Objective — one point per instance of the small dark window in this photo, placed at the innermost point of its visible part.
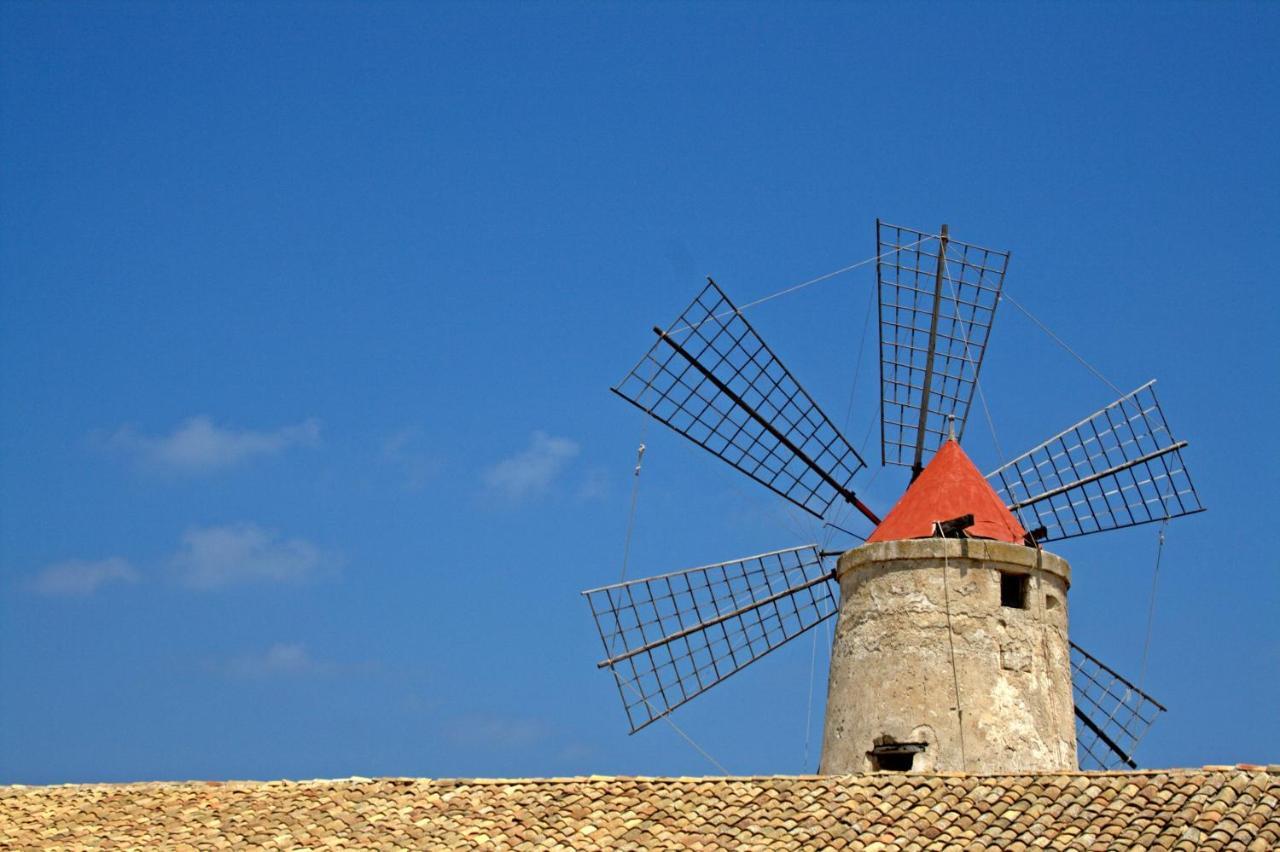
(900, 762)
(1013, 590)
(895, 757)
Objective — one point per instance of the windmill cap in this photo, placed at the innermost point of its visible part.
(948, 487)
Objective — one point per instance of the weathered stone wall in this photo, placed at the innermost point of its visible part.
(892, 677)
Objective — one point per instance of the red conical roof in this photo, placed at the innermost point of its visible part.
(950, 486)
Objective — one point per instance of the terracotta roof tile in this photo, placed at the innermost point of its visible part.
(1217, 807)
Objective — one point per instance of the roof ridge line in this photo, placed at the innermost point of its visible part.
(1273, 769)
(1270, 769)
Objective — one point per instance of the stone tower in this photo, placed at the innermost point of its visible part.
(950, 652)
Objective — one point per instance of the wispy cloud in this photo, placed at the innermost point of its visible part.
(496, 732)
(215, 557)
(280, 660)
(404, 450)
(531, 471)
(199, 445)
(79, 577)
(594, 485)
(577, 752)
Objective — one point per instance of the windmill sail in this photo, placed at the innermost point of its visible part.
(1116, 468)
(938, 299)
(1112, 715)
(670, 638)
(711, 378)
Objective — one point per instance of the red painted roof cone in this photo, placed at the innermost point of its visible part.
(948, 487)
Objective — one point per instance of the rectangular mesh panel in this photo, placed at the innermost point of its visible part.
(810, 464)
(1112, 715)
(906, 272)
(672, 637)
(1117, 468)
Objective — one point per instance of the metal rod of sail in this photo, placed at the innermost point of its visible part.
(1054, 492)
(1115, 674)
(880, 324)
(768, 427)
(1111, 744)
(918, 464)
(712, 622)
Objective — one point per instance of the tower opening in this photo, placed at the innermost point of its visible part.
(894, 757)
(1013, 590)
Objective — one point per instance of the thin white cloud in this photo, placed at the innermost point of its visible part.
(531, 471)
(199, 445)
(594, 485)
(578, 752)
(215, 557)
(79, 577)
(280, 660)
(496, 732)
(405, 451)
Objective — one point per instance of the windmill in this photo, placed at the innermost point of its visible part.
(710, 377)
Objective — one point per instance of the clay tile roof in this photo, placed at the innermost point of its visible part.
(1210, 808)
(948, 487)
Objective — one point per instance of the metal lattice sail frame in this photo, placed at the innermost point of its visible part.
(1117, 468)
(937, 302)
(712, 378)
(670, 638)
(1112, 715)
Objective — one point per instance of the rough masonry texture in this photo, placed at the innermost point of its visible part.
(921, 620)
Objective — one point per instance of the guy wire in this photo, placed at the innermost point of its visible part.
(667, 718)
(955, 676)
(635, 491)
(794, 287)
(1062, 343)
(808, 713)
(982, 397)
(1151, 607)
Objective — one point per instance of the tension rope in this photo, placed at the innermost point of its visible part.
(808, 713)
(635, 493)
(1151, 607)
(982, 396)
(666, 717)
(955, 675)
(786, 291)
(1058, 340)
(626, 554)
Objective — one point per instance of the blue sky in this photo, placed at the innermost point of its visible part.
(310, 312)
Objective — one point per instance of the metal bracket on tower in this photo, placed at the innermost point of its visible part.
(954, 528)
